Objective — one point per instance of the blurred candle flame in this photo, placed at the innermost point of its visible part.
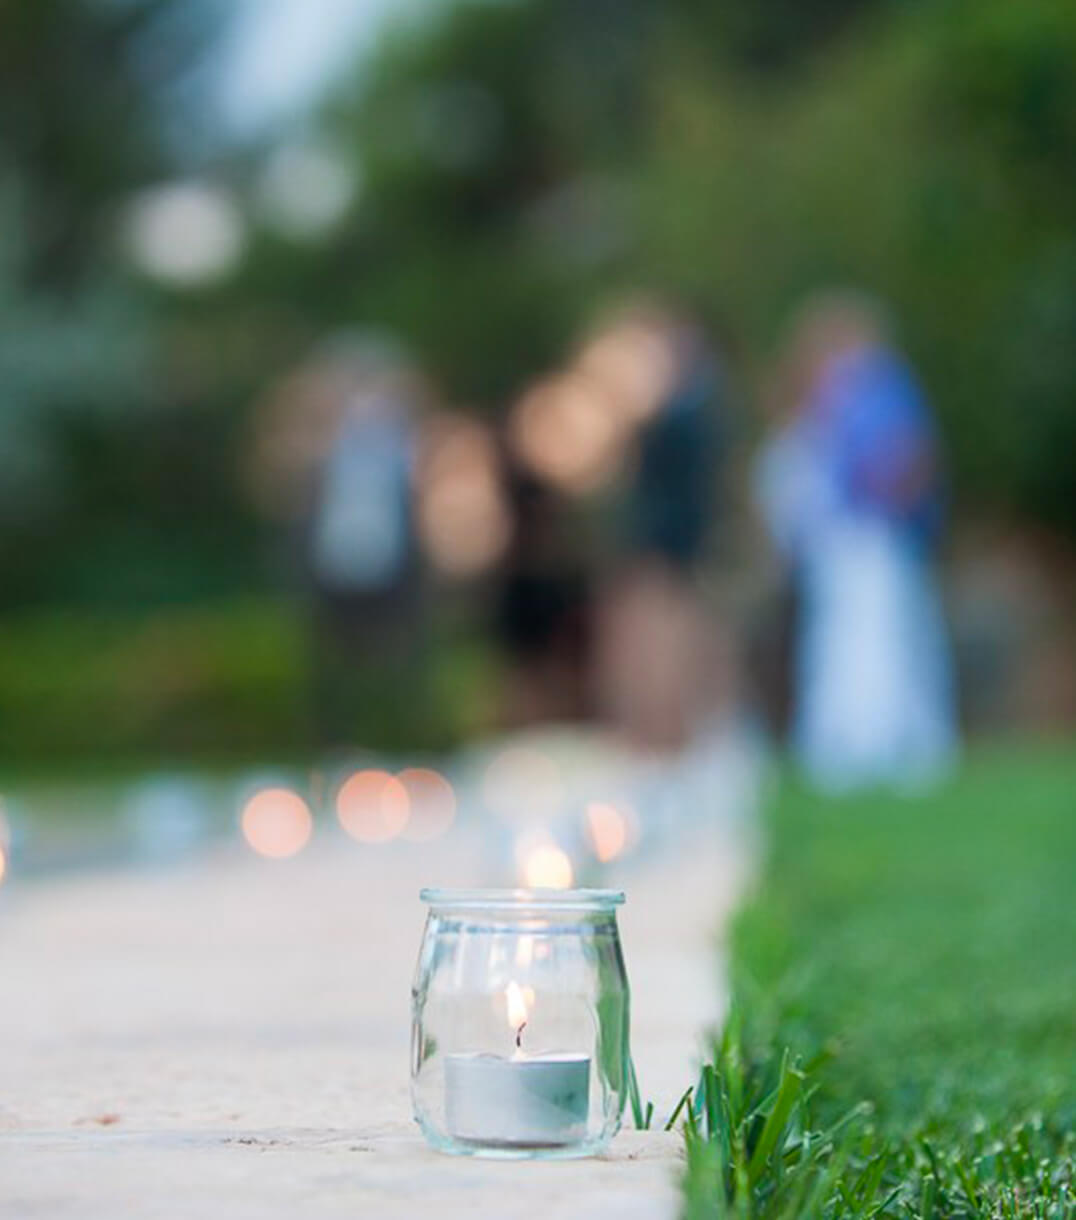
(607, 830)
(431, 804)
(522, 784)
(373, 806)
(547, 867)
(276, 823)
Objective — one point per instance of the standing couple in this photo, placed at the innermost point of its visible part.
(850, 489)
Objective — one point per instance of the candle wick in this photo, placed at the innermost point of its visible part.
(519, 1035)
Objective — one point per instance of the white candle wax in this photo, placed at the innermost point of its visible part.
(527, 1100)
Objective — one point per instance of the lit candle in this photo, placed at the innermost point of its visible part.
(525, 1100)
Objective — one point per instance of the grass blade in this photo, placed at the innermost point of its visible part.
(787, 1093)
(685, 1100)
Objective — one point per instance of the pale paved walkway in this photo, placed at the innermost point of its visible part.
(232, 1039)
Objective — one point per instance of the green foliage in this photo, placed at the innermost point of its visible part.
(526, 161)
(917, 955)
(85, 91)
(82, 87)
(472, 132)
(78, 121)
(521, 164)
(881, 166)
(217, 681)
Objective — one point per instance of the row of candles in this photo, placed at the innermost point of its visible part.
(518, 791)
(419, 805)
(373, 806)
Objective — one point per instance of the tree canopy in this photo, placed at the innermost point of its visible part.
(521, 162)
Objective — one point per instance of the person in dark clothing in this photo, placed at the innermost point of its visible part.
(671, 505)
(543, 608)
(654, 644)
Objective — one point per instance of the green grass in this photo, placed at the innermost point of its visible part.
(917, 958)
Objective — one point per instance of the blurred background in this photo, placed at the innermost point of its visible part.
(377, 378)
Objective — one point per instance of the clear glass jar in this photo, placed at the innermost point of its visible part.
(519, 1037)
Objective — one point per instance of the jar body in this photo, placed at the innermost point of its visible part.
(520, 1023)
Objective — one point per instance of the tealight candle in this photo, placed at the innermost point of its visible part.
(560, 1090)
(521, 1100)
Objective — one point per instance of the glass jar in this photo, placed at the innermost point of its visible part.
(519, 1036)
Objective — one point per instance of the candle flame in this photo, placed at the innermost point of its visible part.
(547, 867)
(516, 1004)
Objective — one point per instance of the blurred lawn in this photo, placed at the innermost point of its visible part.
(929, 946)
(934, 938)
(228, 680)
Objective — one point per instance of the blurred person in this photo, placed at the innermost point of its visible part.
(543, 608)
(656, 646)
(850, 488)
(334, 453)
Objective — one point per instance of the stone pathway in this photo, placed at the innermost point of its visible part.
(231, 1038)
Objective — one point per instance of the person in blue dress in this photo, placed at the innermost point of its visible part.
(852, 491)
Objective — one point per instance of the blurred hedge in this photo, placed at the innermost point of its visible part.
(233, 679)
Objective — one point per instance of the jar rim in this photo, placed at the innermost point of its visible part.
(522, 899)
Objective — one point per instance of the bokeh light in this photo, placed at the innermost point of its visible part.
(184, 233)
(305, 189)
(546, 866)
(373, 806)
(431, 804)
(463, 514)
(522, 784)
(609, 829)
(276, 822)
(567, 431)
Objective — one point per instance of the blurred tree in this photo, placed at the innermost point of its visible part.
(493, 145)
(521, 161)
(516, 164)
(83, 465)
(80, 121)
(769, 37)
